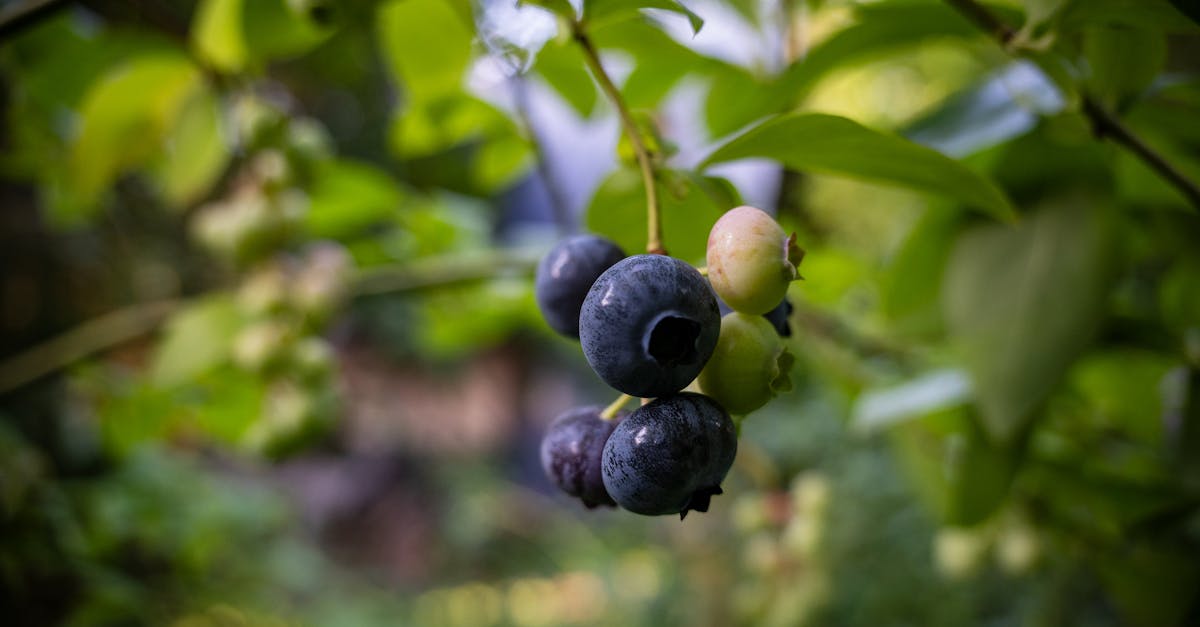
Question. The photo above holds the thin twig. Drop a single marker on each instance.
(94, 336)
(985, 20)
(127, 324)
(1104, 123)
(1107, 125)
(653, 219)
(19, 15)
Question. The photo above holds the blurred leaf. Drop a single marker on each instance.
(690, 205)
(195, 151)
(1122, 389)
(1191, 8)
(878, 409)
(963, 477)
(599, 11)
(196, 339)
(238, 35)
(880, 28)
(737, 98)
(1000, 108)
(501, 161)
(426, 128)
(217, 34)
(1023, 301)
(912, 284)
(1152, 585)
(124, 118)
(1152, 14)
(659, 61)
(427, 47)
(836, 145)
(1179, 294)
(1123, 61)
(349, 196)
(562, 67)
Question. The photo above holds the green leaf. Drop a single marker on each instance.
(238, 35)
(600, 11)
(836, 145)
(878, 409)
(1023, 301)
(195, 151)
(349, 196)
(196, 340)
(561, 65)
(960, 475)
(124, 118)
(690, 205)
(1150, 14)
(1001, 107)
(1123, 61)
(426, 45)
(1152, 585)
(911, 286)
(880, 29)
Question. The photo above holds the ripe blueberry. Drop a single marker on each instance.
(571, 451)
(566, 273)
(670, 455)
(751, 260)
(648, 325)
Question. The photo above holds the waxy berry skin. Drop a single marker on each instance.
(670, 456)
(751, 260)
(565, 275)
(648, 325)
(571, 453)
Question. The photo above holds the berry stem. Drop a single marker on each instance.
(610, 412)
(653, 218)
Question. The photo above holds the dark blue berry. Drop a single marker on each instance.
(566, 273)
(571, 451)
(670, 456)
(778, 317)
(648, 325)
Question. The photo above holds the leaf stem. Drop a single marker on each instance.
(1105, 124)
(653, 218)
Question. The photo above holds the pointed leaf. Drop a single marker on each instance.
(836, 145)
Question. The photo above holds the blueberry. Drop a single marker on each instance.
(648, 325)
(778, 317)
(571, 451)
(566, 273)
(670, 456)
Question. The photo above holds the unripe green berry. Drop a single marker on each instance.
(751, 260)
(749, 366)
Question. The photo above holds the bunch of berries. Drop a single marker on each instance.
(651, 325)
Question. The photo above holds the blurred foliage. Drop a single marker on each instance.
(997, 411)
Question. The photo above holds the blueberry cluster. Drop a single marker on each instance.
(650, 325)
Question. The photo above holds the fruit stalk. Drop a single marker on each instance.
(614, 408)
(653, 219)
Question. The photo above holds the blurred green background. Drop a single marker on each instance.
(271, 354)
